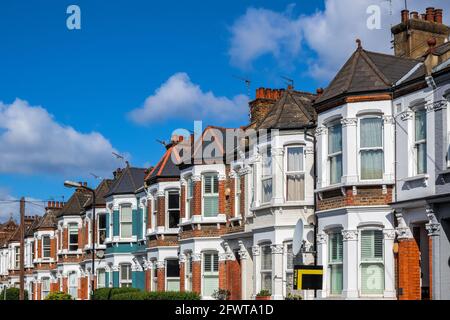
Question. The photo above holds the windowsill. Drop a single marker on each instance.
(220, 218)
(378, 182)
(236, 219)
(417, 178)
(444, 172)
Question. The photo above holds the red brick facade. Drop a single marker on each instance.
(161, 283)
(409, 270)
(182, 276)
(161, 211)
(196, 276)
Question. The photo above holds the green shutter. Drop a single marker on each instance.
(116, 223)
(115, 279)
(107, 225)
(138, 278)
(107, 279)
(135, 222)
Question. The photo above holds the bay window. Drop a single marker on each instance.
(101, 228)
(173, 209)
(372, 266)
(295, 174)
(189, 198)
(17, 257)
(73, 237)
(210, 273)
(125, 275)
(73, 285)
(266, 268)
(46, 247)
(210, 195)
(420, 141)
(335, 262)
(266, 176)
(172, 275)
(371, 148)
(126, 221)
(335, 152)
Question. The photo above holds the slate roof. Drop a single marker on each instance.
(6, 230)
(75, 205)
(30, 224)
(165, 168)
(48, 221)
(293, 110)
(30, 230)
(367, 71)
(442, 49)
(100, 192)
(130, 180)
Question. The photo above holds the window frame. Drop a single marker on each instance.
(188, 272)
(330, 156)
(99, 285)
(362, 149)
(289, 271)
(154, 217)
(46, 247)
(167, 278)
(74, 287)
(294, 173)
(237, 195)
(189, 206)
(121, 222)
(101, 230)
(213, 273)
(45, 291)
(128, 282)
(71, 231)
(16, 257)
(169, 210)
(335, 262)
(374, 261)
(269, 177)
(418, 143)
(211, 194)
(265, 270)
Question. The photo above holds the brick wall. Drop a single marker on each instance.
(182, 276)
(222, 197)
(234, 279)
(65, 239)
(183, 202)
(196, 276)
(83, 288)
(223, 275)
(409, 270)
(53, 248)
(197, 198)
(64, 285)
(207, 231)
(366, 196)
(231, 203)
(265, 99)
(39, 249)
(38, 291)
(149, 214)
(80, 238)
(161, 279)
(161, 211)
(148, 274)
(54, 287)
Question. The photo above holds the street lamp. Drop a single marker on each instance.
(71, 184)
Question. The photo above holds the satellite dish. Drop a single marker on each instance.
(298, 237)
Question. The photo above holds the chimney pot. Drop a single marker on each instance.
(423, 16)
(319, 91)
(405, 16)
(438, 15)
(414, 15)
(49, 204)
(430, 14)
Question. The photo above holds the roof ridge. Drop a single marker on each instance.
(392, 55)
(354, 60)
(165, 157)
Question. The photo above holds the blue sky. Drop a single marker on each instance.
(88, 82)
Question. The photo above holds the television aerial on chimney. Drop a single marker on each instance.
(289, 82)
(247, 83)
(96, 176)
(120, 157)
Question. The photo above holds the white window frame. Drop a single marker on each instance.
(46, 247)
(213, 273)
(99, 230)
(331, 263)
(121, 222)
(171, 278)
(154, 276)
(16, 257)
(100, 284)
(417, 143)
(71, 230)
(128, 282)
(361, 149)
(213, 194)
(188, 272)
(289, 271)
(45, 288)
(189, 197)
(294, 173)
(374, 261)
(154, 211)
(266, 271)
(335, 154)
(168, 211)
(268, 177)
(73, 288)
(237, 196)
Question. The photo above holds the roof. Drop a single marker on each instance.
(48, 221)
(442, 49)
(367, 71)
(166, 168)
(30, 224)
(6, 230)
(130, 180)
(100, 192)
(30, 230)
(75, 205)
(293, 110)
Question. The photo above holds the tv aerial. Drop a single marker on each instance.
(120, 157)
(247, 83)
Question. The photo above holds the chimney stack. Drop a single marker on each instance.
(261, 106)
(405, 16)
(438, 15)
(430, 14)
(414, 15)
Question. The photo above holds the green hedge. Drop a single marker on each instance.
(12, 294)
(108, 293)
(58, 296)
(169, 295)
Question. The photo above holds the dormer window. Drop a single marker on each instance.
(335, 152)
(266, 176)
(295, 175)
(371, 148)
(420, 141)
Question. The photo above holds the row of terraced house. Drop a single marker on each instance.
(364, 164)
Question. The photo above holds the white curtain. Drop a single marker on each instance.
(296, 187)
(336, 169)
(371, 137)
(371, 133)
(295, 159)
(267, 190)
(371, 164)
(335, 139)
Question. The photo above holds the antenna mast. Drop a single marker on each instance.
(247, 83)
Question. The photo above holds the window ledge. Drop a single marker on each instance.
(221, 218)
(416, 178)
(235, 219)
(443, 172)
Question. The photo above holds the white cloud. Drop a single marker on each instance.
(9, 206)
(260, 32)
(330, 33)
(32, 142)
(179, 97)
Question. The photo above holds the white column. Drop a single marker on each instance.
(321, 137)
(389, 264)
(349, 150)
(277, 174)
(350, 239)
(322, 260)
(389, 148)
(256, 251)
(243, 254)
(434, 230)
(277, 271)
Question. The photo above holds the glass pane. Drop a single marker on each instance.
(336, 247)
(266, 258)
(174, 200)
(335, 139)
(126, 214)
(335, 169)
(336, 279)
(46, 241)
(371, 164)
(295, 159)
(102, 221)
(371, 132)
(174, 218)
(421, 125)
(210, 206)
(207, 263)
(173, 285)
(421, 150)
(267, 190)
(125, 272)
(266, 281)
(172, 268)
(371, 245)
(267, 163)
(295, 187)
(372, 278)
(210, 284)
(126, 230)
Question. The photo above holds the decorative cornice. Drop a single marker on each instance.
(350, 235)
(196, 178)
(182, 258)
(407, 115)
(436, 106)
(389, 234)
(277, 248)
(244, 171)
(160, 194)
(196, 257)
(387, 119)
(403, 231)
(309, 150)
(222, 177)
(160, 265)
(322, 130)
(321, 238)
(256, 250)
(346, 122)
(433, 226)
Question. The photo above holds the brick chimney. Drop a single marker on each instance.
(264, 101)
(412, 33)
